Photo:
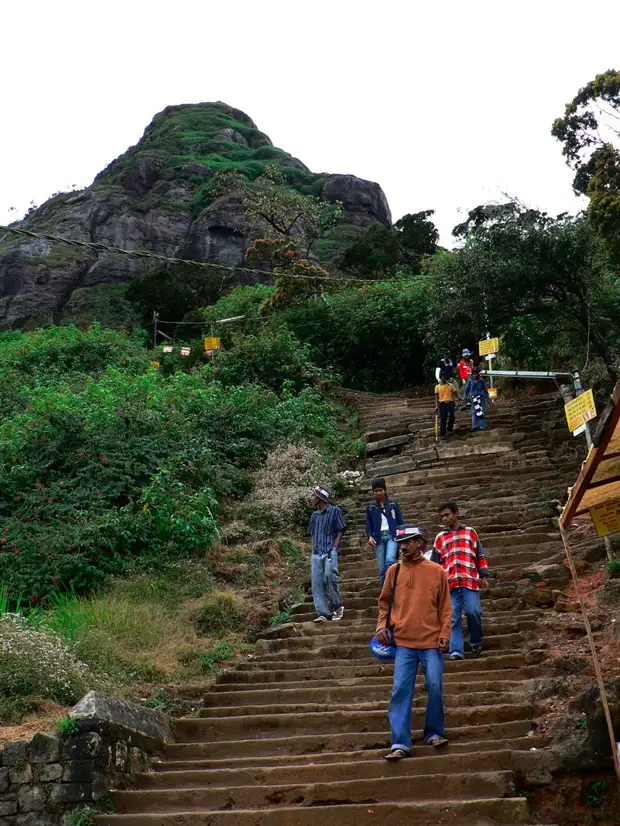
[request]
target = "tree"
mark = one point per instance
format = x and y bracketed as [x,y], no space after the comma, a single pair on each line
[381,251]
[590,134]
[276,210]
[291,223]
[519,270]
[176,290]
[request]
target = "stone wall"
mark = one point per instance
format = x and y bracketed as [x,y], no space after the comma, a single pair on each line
[45,780]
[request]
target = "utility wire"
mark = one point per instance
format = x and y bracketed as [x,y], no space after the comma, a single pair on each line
[98,247]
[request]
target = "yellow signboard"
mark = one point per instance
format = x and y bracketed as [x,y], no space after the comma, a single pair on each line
[488,346]
[212,343]
[580,410]
[606,517]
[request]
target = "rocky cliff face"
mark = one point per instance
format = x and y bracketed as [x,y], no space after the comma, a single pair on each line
[156,196]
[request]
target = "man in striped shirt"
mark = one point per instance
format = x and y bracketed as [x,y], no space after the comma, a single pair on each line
[326,528]
[459,551]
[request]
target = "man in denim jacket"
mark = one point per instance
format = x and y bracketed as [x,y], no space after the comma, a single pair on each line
[382,518]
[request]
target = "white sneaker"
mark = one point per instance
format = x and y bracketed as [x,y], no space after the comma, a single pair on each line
[321,619]
[338,613]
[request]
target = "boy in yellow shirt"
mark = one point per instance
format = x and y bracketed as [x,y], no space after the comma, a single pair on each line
[445,395]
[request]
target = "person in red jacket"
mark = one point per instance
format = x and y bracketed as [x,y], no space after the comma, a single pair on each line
[459,551]
[465,366]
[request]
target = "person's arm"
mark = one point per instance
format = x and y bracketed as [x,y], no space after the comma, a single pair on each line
[384,599]
[481,563]
[444,608]
[369,528]
[399,516]
[468,387]
[436,554]
[340,525]
[436,399]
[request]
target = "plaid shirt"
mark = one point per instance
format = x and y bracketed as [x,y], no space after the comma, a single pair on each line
[462,557]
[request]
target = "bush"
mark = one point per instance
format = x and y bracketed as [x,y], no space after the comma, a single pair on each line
[373,337]
[132,465]
[283,489]
[38,663]
[271,357]
[613,568]
[220,612]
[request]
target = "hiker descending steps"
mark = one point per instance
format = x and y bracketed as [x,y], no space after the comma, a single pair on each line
[382,518]
[327,526]
[459,551]
[416,596]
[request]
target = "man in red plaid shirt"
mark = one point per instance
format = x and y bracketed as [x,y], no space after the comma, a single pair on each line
[458,550]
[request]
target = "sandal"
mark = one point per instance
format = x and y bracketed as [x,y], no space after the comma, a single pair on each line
[437,742]
[397,754]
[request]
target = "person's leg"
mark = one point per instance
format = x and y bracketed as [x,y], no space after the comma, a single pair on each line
[450,417]
[473,610]
[380,551]
[333,580]
[434,720]
[400,710]
[443,418]
[483,419]
[457,643]
[318,586]
[391,552]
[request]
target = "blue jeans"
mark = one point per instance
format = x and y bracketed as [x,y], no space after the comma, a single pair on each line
[478,423]
[465,598]
[386,552]
[400,712]
[325,583]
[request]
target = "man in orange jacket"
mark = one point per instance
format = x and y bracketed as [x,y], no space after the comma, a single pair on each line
[420,618]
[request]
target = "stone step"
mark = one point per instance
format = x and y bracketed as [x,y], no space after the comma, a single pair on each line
[348,646]
[506,811]
[462,786]
[256,672]
[423,756]
[364,700]
[260,726]
[455,693]
[435,763]
[339,740]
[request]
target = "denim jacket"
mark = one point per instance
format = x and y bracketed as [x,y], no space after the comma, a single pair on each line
[373,518]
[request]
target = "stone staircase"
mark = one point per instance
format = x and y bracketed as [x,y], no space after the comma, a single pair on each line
[294,735]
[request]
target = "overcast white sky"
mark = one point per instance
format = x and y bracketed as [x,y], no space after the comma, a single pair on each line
[446,103]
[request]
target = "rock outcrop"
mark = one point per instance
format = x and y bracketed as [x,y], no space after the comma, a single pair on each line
[156,196]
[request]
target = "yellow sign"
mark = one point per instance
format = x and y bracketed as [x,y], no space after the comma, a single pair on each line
[492,393]
[580,410]
[606,517]
[212,343]
[155,364]
[488,346]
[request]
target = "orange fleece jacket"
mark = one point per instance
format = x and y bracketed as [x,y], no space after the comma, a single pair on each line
[422,610]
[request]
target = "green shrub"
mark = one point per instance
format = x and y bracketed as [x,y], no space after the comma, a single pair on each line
[270,357]
[221,653]
[38,663]
[220,612]
[613,568]
[68,727]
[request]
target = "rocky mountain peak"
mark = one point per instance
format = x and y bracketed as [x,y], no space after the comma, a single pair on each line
[157,196]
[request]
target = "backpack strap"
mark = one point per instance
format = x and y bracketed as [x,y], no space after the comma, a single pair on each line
[392,596]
